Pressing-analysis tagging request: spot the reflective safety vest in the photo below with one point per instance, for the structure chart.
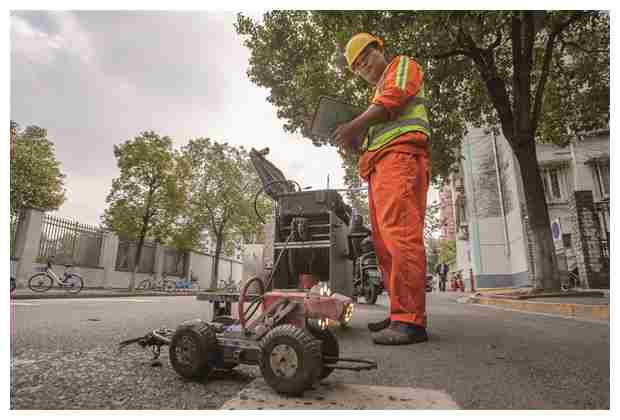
(414, 117)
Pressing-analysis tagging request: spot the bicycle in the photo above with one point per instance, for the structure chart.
(42, 282)
(163, 284)
(570, 282)
(229, 285)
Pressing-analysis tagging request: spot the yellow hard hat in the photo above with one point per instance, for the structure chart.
(356, 45)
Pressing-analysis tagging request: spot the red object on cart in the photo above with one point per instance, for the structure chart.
(307, 281)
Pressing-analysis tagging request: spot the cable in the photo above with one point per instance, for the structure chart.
(278, 181)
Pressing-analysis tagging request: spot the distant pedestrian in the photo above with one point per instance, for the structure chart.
(442, 271)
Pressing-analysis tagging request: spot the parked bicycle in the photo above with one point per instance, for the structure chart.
(163, 284)
(229, 285)
(42, 282)
(570, 282)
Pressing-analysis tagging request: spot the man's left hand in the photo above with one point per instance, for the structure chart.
(348, 135)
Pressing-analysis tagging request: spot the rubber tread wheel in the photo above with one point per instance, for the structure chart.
(190, 348)
(304, 369)
(40, 282)
(329, 347)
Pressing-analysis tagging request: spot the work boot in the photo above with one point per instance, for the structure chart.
(378, 326)
(400, 333)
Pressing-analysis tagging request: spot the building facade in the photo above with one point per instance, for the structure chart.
(492, 231)
(446, 211)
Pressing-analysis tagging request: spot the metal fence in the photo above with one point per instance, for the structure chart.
(174, 262)
(15, 219)
(125, 258)
(70, 242)
(602, 211)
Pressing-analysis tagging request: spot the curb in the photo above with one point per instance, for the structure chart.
(65, 295)
(544, 295)
(572, 310)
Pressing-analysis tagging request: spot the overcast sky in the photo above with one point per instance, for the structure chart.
(94, 79)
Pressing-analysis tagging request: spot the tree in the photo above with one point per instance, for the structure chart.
(357, 198)
(223, 186)
(36, 179)
(144, 199)
(447, 252)
(534, 75)
(432, 225)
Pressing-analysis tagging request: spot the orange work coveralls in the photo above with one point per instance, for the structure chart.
(398, 180)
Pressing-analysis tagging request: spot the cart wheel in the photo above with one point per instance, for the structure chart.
(330, 349)
(290, 359)
(190, 347)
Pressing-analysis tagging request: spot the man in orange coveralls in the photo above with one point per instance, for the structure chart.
(395, 162)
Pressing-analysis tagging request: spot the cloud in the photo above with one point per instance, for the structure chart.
(97, 78)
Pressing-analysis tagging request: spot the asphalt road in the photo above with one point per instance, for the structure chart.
(63, 356)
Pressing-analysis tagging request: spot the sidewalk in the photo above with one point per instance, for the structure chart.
(56, 293)
(578, 304)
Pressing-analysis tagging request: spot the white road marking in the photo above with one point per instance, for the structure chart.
(335, 395)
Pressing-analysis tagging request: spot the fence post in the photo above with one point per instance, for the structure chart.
(107, 260)
(188, 269)
(158, 264)
(27, 240)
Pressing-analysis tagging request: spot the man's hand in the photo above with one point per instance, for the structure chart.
(348, 136)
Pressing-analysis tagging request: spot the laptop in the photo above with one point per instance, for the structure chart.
(329, 114)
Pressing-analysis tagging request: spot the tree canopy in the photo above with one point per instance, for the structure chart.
(468, 57)
(36, 179)
(142, 197)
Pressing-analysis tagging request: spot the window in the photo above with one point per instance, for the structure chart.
(566, 240)
(601, 174)
(554, 183)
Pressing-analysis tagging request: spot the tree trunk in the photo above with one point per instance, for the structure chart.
(546, 275)
(216, 261)
(138, 256)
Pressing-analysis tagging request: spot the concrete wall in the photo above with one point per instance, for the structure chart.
(27, 240)
(496, 240)
(253, 265)
(202, 264)
(201, 268)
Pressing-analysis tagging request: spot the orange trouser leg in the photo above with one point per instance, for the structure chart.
(397, 199)
(383, 257)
